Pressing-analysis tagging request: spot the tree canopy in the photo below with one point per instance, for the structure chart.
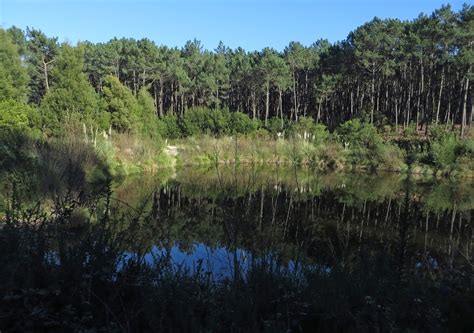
(388, 71)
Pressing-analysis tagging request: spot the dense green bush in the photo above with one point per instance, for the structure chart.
(13, 76)
(276, 125)
(17, 115)
(216, 122)
(362, 141)
(147, 114)
(121, 104)
(443, 151)
(317, 133)
(168, 127)
(71, 93)
(241, 123)
(16, 149)
(205, 121)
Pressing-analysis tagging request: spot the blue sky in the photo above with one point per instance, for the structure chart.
(252, 24)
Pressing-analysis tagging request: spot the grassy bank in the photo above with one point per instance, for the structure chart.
(354, 146)
(435, 157)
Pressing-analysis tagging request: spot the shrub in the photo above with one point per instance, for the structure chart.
(147, 114)
(307, 128)
(331, 156)
(121, 104)
(392, 157)
(17, 115)
(363, 141)
(276, 125)
(443, 151)
(168, 127)
(304, 124)
(203, 121)
(241, 123)
(216, 122)
(410, 132)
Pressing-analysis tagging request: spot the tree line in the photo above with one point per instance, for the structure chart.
(390, 72)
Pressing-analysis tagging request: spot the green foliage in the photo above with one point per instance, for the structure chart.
(317, 133)
(276, 125)
(41, 59)
(168, 127)
(360, 134)
(13, 76)
(121, 104)
(444, 148)
(410, 132)
(18, 116)
(205, 121)
(213, 92)
(242, 124)
(216, 122)
(16, 149)
(147, 114)
(71, 95)
(363, 142)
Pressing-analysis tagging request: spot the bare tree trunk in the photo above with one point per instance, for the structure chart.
(46, 76)
(155, 95)
(464, 106)
(161, 98)
(439, 96)
(280, 106)
(305, 107)
(295, 95)
(372, 97)
(318, 117)
(267, 102)
(254, 105)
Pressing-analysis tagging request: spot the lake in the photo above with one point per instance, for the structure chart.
(225, 218)
(242, 248)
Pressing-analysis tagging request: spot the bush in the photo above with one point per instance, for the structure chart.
(14, 115)
(363, 142)
(307, 128)
(304, 124)
(205, 121)
(168, 127)
(216, 122)
(443, 151)
(241, 123)
(20, 116)
(410, 132)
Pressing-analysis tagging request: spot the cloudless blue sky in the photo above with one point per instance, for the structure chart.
(252, 24)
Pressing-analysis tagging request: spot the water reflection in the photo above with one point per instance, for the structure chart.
(227, 218)
(254, 249)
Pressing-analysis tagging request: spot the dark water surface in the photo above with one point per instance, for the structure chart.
(239, 249)
(224, 220)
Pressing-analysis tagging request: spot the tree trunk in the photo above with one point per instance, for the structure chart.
(254, 105)
(295, 95)
(172, 98)
(46, 78)
(267, 102)
(372, 97)
(280, 105)
(464, 106)
(155, 94)
(161, 98)
(318, 117)
(305, 108)
(439, 95)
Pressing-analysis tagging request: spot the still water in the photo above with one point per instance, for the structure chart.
(223, 220)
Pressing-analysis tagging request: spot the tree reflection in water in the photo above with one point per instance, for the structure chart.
(245, 249)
